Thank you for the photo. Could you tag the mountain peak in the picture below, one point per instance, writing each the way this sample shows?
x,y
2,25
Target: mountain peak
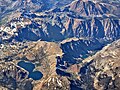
x,y
88,7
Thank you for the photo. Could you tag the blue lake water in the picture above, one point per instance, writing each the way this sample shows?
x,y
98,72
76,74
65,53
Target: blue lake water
x,y
35,75
26,65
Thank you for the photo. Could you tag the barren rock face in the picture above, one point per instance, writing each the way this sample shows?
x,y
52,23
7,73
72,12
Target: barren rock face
x,y
59,45
43,55
53,83
102,69
78,19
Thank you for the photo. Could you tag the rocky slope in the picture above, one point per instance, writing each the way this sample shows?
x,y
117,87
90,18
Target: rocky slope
x,y
42,55
44,46
102,69
7,7
67,22
75,50
97,71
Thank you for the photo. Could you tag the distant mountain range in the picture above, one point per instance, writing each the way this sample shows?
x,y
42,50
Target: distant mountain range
x,y
9,6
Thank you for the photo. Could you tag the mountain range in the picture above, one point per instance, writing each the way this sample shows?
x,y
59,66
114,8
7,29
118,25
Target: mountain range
x,y
63,45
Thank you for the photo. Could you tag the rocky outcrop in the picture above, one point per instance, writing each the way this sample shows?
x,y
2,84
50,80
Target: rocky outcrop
x,y
88,7
59,48
42,55
102,69
14,77
99,71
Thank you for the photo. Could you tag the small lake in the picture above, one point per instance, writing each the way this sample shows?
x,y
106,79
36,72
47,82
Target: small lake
x,y
35,75
26,65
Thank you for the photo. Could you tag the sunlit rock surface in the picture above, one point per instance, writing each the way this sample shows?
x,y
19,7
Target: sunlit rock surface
x,y
59,45
86,19
41,54
101,71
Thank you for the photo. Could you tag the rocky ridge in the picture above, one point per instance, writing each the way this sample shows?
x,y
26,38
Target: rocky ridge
x,y
61,23
42,54
64,44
